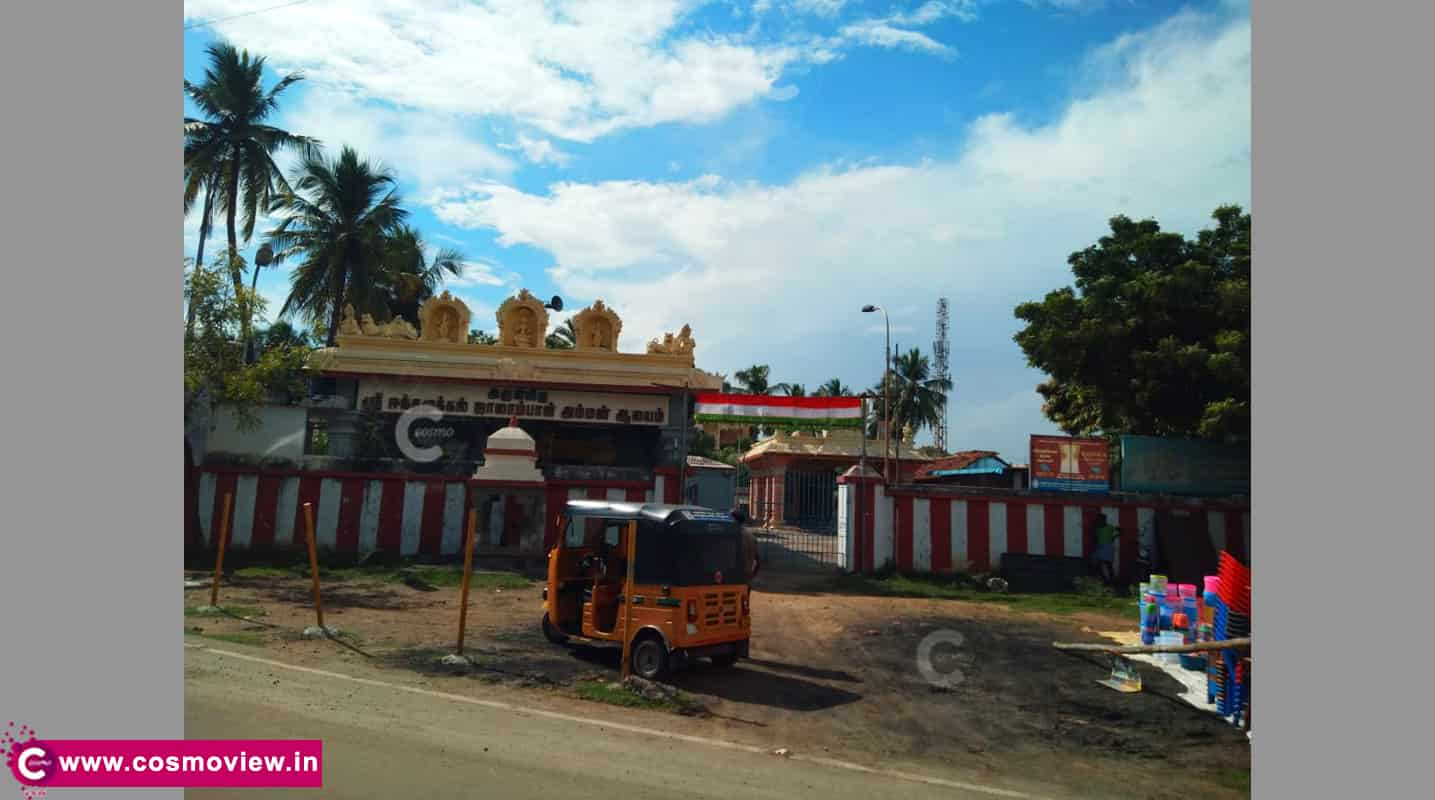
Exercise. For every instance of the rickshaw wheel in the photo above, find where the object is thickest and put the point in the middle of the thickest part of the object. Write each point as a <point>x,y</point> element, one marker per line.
<point>650,658</point>
<point>551,633</point>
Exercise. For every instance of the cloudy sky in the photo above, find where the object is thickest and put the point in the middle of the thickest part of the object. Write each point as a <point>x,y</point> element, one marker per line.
<point>762,170</point>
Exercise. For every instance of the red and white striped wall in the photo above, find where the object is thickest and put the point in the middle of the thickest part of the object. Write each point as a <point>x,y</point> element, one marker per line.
<point>941,531</point>
<point>409,515</point>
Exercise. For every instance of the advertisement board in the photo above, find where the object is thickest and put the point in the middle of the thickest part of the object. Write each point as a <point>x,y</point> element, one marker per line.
<point>1067,464</point>
<point>1184,466</point>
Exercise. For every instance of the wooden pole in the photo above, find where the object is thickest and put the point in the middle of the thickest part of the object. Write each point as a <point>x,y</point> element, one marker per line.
<point>219,556</point>
<point>627,668</point>
<point>1139,649</point>
<point>467,574</point>
<point>314,563</point>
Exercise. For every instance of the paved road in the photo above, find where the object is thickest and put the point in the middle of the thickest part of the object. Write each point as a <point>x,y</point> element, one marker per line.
<point>385,741</point>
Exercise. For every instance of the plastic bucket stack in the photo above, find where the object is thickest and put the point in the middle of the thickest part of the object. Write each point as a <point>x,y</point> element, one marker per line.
<point>1232,621</point>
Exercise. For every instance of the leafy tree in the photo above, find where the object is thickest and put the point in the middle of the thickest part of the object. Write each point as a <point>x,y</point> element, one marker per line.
<point>282,334</point>
<point>564,337</point>
<point>795,390</point>
<point>754,380</point>
<point>406,278</point>
<point>232,149</point>
<point>340,230</point>
<point>476,336</point>
<point>1155,337</point>
<point>214,364</point>
<point>917,396</point>
<point>834,388</point>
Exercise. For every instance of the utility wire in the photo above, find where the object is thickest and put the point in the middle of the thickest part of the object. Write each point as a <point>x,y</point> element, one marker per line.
<point>203,23</point>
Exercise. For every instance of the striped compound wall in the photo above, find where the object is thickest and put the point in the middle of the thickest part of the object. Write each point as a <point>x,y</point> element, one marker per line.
<point>943,531</point>
<point>409,515</point>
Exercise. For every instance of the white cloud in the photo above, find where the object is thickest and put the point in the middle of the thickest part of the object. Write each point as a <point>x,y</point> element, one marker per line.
<point>575,70</point>
<point>432,149</point>
<point>776,274</point>
<point>479,273</point>
<point>539,151</point>
<point>882,34</point>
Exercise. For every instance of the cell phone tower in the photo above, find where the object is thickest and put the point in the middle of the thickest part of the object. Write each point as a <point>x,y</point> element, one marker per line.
<point>939,366</point>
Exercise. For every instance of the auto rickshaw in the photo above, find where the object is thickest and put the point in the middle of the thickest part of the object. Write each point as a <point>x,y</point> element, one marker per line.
<point>690,592</point>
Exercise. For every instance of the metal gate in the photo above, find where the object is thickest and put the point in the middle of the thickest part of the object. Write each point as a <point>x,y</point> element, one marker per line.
<point>798,531</point>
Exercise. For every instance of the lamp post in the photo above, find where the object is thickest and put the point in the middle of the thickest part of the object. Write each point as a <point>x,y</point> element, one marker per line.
<point>886,394</point>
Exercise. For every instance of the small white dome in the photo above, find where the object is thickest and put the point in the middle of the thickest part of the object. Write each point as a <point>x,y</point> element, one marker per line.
<point>511,438</point>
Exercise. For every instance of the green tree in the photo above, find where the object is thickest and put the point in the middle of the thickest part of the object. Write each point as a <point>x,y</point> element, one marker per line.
<point>339,232</point>
<point>564,337</point>
<point>834,388</point>
<point>476,336</point>
<point>917,396</point>
<point>406,277</point>
<point>232,150</point>
<point>1155,337</point>
<point>282,334</point>
<point>754,380</point>
<point>795,390</point>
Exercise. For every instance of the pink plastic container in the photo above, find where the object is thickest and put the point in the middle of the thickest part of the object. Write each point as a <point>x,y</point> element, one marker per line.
<point>1213,584</point>
<point>1187,589</point>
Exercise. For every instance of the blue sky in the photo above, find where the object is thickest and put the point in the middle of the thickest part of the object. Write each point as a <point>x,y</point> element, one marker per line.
<point>762,170</point>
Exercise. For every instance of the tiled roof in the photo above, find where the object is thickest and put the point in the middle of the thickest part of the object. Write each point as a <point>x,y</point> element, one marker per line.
<point>960,460</point>
<point>707,463</point>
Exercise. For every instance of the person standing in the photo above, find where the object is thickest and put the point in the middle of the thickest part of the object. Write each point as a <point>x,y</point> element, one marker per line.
<point>1105,553</point>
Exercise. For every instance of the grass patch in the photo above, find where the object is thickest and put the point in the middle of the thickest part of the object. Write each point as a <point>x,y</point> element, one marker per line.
<point>251,639</point>
<point>960,588</point>
<point>435,574</point>
<point>617,695</point>
<point>1238,779</point>
<point>242,611</point>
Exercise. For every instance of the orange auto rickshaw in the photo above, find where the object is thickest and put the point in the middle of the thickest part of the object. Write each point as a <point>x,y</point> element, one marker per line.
<point>690,573</point>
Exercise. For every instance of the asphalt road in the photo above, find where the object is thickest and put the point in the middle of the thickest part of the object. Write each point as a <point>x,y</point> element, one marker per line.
<point>385,741</point>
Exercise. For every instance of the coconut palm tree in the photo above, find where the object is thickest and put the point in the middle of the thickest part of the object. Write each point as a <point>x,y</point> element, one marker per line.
<point>795,390</point>
<point>338,221</point>
<point>918,397</point>
<point>232,149</point>
<point>834,388</point>
<point>564,337</point>
<point>406,277</point>
<point>477,336</point>
<point>754,380</point>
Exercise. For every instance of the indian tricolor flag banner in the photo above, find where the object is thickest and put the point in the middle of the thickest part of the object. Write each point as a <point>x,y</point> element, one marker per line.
<point>758,409</point>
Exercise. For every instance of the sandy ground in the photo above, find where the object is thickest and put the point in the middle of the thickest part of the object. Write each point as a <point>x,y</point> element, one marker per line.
<point>830,674</point>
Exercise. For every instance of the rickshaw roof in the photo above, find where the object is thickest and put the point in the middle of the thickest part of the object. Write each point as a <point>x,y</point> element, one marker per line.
<point>657,512</point>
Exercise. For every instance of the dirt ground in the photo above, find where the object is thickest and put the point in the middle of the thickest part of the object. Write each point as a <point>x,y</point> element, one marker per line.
<point>834,674</point>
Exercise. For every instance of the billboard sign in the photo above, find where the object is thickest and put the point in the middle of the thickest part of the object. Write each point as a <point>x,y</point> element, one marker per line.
<point>1184,466</point>
<point>1066,464</point>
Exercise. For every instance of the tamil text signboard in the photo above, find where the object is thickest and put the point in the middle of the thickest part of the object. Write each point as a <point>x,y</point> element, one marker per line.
<point>1183,466</point>
<point>469,400</point>
<point>1065,464</point>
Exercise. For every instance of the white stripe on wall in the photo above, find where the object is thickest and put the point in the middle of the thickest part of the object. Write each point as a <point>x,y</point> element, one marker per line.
<point>921,534</point>
<point>288,506</point>
<point>1216,525</point>
<point>412,525</point>
<point>959,535</point>
<point>206,503</point>
<point>369,516</point>
<point>660,485</point>
<point>326,527</point>
<point>1071,531</point>
<point>245,491</point>
<point>1036,529</point>
<point>1246,531</point>
<point>882,527</point>
<point>1114,517</point>
<point>996,532</point>
<point>616,495</point>
<point>453,522</point>
<point>649,498</point>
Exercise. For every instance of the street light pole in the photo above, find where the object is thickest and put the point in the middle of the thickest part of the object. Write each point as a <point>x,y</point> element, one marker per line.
<point>886,395</point>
